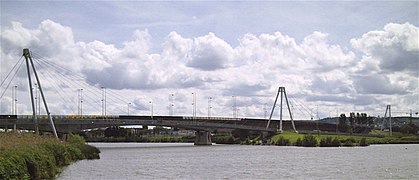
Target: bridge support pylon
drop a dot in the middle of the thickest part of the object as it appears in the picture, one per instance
(202, 138)
(281, 91)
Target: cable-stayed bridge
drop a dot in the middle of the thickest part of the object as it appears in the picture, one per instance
(73, 123)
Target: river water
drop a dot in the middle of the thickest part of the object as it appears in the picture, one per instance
(186, 161)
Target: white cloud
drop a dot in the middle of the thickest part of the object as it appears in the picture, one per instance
(395, 48)
(313, 71)
(210, 53)
(323, 56)
(390, 63)
(176, 48)
(376, 84)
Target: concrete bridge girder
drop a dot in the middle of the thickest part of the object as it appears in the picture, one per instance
(77, 125)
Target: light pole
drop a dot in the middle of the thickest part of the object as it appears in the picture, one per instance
(15, 87)
(14, 100)
(81, 102)
(172, 104)
(234, 107)
(194, 105)
(151, 103)
(38, 99)
(265, 110)
(103, 101)
(317, 106)
(128, 107)
(209, 107)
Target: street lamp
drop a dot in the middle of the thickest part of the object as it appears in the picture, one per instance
(234, 107)
(81, 102)
(194, 105)
(172, 104)
(265, 110)
(209, 107)
(103, 101)
(15, 99)
(128, 107)
(151, 103)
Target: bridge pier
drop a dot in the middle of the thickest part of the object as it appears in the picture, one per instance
(202, 138)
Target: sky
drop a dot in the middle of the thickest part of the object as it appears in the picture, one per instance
(332, 57)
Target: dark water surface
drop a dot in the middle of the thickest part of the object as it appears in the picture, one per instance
(185, 161)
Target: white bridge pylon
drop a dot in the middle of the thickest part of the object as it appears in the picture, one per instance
(29, 62)
(281, 90)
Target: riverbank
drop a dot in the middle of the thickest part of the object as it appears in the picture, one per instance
(153, 139)
(291, 138)
(29, 156)
(283, 139)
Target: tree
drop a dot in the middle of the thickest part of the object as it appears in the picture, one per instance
(409, 128)
(342, 123)
(352, 118)
(115, 131)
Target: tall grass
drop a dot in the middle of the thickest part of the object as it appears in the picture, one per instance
(348, 140)
(29, 156)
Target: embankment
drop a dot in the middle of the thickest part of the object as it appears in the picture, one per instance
(29, 156)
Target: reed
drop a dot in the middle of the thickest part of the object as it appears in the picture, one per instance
(29, 156)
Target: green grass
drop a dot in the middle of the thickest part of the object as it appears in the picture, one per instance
(288, 135)
(396, 138)
(29, 156)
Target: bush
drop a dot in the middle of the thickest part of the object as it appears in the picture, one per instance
(39, 157)
(349, 142)
(299, 142)
(75, 139)
(363, 142)
(282, 142)
(12, 166)
(223, 139)
(329, 142)
(309, 141)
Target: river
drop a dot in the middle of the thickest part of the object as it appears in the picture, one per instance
(186, 161)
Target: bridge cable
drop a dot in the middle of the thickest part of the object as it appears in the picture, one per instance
(57, 87)
(10, 72)
(66, 81)
(14, 75)
(71, 73)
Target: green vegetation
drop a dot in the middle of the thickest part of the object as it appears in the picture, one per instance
(309, 141)
(225, 139)
(329, 142)
(152, 139)
(281, 141)
(29, 156)
(341, 140)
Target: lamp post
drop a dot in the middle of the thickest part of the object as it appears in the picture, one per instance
(194, 105)
(128, 107)
(151, 103)
(81, 102)
(14, 100)
(265, 110)
(209, 107)
(37, 99)
(103, 101)
(172, 104)
(234, 107)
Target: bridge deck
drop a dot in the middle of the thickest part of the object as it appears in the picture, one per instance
(71, 123)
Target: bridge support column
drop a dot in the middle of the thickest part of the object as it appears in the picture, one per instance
(202, 138)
